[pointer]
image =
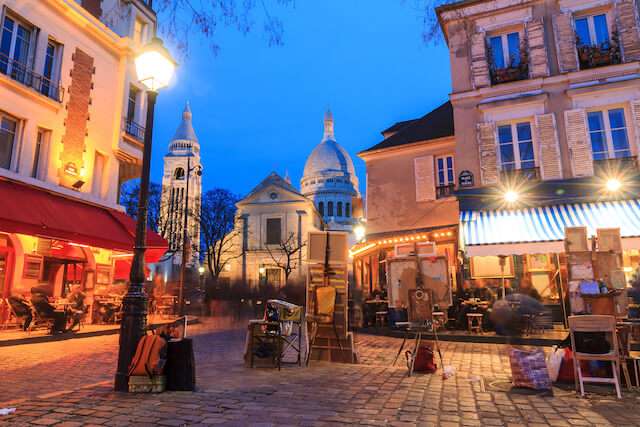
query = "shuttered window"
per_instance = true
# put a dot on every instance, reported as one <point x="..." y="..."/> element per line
<point x="445" y="170"/>
<point x="592" y="31"/>
<point x="274" y="231"/>
<point x="505" y="50"/>
<point x="516" y="146"/>
<point x="608" y="134"/>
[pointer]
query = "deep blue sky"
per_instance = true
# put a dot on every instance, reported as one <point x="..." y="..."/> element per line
<point x="258" y="108"/>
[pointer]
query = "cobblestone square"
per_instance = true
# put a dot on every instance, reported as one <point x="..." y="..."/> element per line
<point x="68" y="384"/>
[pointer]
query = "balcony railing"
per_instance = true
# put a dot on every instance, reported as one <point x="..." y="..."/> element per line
<point x="615" y="166"/>
<point x="134" y="130"/>
<point x="519" y="175"/>
<point x="444" y="190"/>
<point x="23" y="74"/>
<point x="510" y="74"/>
<point x="607" y="53"/>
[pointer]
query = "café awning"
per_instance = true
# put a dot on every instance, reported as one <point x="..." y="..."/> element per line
<point x="38" y="212"/>
<point x="541" y="229"/>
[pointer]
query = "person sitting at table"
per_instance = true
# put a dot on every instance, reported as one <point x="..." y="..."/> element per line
<point x="45" y="310"/>
<point x="21" y="309"/>
<point x="482" y="292"/>
<point x="527" y="288"/>
<point x="77" y="308"/>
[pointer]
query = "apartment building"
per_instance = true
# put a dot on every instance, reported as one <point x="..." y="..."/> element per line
<point x="71" y="132"/>
<point x="546" y="104"/>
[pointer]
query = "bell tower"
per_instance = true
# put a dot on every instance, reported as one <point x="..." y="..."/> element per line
<point x="183" y="155"/>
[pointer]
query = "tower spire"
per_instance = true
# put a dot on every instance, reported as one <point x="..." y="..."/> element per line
<point x="328" y="126"/>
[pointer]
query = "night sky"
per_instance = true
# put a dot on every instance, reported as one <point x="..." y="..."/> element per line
<point x="257" y="108"/>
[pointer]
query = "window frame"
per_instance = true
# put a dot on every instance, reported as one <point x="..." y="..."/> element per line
<point x="267" y="220"/>
<point x="515" y="142"/>
<point x="590" y="17"/>
<point x="56" y="68"/>
<point x="32" y="43"/>
<point x="40" y="164"/>
<point x="608" y="137"/>
<point x="504" y="40"/>
<point x="16" y="139"/>
<point x="444" y="158"/>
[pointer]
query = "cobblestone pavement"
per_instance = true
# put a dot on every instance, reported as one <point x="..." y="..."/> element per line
<point x="373" y="392"/>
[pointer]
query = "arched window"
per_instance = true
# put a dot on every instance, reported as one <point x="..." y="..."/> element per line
<point x="339" y="208"/>
<point x="347" y="210"/>
<point x="178" y="174"/>
<point x="330" y="209"/>
<point x="321" y="208"/>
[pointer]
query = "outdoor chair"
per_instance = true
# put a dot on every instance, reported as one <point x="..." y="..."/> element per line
<point x="596" y="323"/>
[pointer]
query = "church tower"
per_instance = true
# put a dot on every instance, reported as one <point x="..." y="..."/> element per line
<point x="183" y="155"/>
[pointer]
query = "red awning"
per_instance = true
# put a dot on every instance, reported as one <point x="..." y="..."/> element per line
<point x="122" y="266"/>
<point x="34" y="211"/>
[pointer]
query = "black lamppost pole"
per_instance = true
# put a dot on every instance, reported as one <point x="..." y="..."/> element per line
<point x="154" y="67"/>
<point x="185" y="234"/>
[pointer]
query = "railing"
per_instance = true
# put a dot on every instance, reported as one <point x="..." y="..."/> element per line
<point x="134" y="129"/>
<point x="607" y="53"/>
<point x="444" y="190"/>
<point x="22" y="74"/>
<point x="527" y="174"/>
<point x="615" y="165"/>
<point x="510" y="74"/>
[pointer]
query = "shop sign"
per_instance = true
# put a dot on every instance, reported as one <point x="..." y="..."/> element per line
<point x="465" y="179"/>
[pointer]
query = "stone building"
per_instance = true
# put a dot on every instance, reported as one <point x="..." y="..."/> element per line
<point x="330" y="181"/>
<point x="71" y="131"/>
<point x="273" y="219"/>
<point x="183" y="156"/>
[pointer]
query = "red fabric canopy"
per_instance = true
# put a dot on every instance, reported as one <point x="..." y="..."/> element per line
<point x="122" y="266"/>
<point x="34" y="211"/>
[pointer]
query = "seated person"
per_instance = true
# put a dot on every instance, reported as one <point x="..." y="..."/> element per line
<point x="21" y="309"/>
<point x="526" y="288"/>
<point x="45" y="310"/>
<point x="483" y="293"/>
<point x="77" y="307"/>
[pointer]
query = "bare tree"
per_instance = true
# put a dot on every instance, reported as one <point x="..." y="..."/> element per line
<point x="129" y="196"/>
<point x="284" y="255"/>
<point x="218" y="236"/>
<point x="179" y="19"/>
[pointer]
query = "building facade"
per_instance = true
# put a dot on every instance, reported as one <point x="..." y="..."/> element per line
<point x="411" y="176"/>
<point x="71" y="131"/>
<point x="271" y="229"/>
<point x="330" y="181"/>
<point x="183" y="156"/>
<point x="546" y="101"/>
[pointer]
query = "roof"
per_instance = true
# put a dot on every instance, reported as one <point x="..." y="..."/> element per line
<point x="185" y="131"/>
<point x="273" y="180"/>
<point x="433" y="125"/>
<point x="398" y="125"/>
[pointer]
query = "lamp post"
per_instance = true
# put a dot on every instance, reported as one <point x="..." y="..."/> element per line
<point x="185" y="234"/>
<point x="154" y="67"/>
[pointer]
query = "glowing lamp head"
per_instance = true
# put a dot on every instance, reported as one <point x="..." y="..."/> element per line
<point x="511" y="196"/>
<point x="201" y="270"/>
<point x="359" y="231"/>
<point x="154" y="65"/>
<point x="613" y="185"/>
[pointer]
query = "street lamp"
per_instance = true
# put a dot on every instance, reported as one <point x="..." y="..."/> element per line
<point x="154" y="67"/>
<point x="613" y="185"/>
<point x="511" y="196"/>
<point x="185" y="234"/>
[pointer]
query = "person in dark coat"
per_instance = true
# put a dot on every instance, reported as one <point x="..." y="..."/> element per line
<point x="44" y="310"/>
<point x="77" y="307"/>
<point x="21" y="309"/>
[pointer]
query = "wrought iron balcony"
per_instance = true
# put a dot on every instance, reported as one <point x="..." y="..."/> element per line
<point x="444" y="190"/>
<point x="510" y="74"/>
<point x="615" y="166"/>
<point x="520" y="175"/>
<point x="134" y="130"/>
<point x="607" y="53"/>
<point x="23" y="74"/>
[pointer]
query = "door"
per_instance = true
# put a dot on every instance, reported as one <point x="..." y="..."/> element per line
<point x="6" y="270"/>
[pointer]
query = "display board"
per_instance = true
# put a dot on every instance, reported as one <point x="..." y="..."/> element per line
<point x="486" y="267"/>
<point x="435" y="277"/>
<point x="338" y="247"/>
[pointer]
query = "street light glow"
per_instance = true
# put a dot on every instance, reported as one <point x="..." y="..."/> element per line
<point x="613" y="184"/>
<point x="359" y="232"/>
<point x="511" y="196"/>
<point x="154" y="65"/>
<point x="201" y="269"/>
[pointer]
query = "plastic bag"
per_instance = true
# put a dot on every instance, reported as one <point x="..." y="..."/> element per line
<point x="554" y="362"/>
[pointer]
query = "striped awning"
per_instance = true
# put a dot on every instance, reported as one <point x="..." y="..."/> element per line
<point x="547" y="223"/>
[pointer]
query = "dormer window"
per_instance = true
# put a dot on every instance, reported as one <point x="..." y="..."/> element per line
<point x="596" y="44"/>
<point x="506" y="60"/>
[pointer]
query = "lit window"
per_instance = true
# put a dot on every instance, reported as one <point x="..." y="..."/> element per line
<point x="608" y="134"/>
<point x="516" y="146"/>
<point x="505" y="50"/>
<point x="592" y="31"/>
<point x="446" y="173"/>
<point x="8" y="130"/>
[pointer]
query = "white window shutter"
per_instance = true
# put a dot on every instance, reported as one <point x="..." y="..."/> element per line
<point x="425" y="180"/>
<point x="486" y="133"/>
<point x="565" y="42"/>
<point x="479" y="62"/>
<point x="578" y="142"/>
<point x="538" y="60"/>
<point x="635" y="119"/>
<point x="548" y="148"/>
<point x="626" y="19"/>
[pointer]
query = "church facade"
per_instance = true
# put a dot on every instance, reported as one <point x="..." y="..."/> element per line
<point x="181" y="162"/>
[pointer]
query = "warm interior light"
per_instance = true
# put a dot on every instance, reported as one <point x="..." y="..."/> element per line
<point x="201" y="270"/>
<point x="511" y="196"/>
<point x="613" y="184"/>
<point x="359" y="231"/>
<point x="154" y="66"/>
